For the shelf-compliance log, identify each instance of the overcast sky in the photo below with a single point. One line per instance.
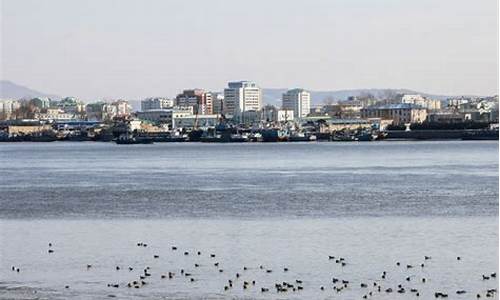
(132, 49)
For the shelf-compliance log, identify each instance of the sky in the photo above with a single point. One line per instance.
(103, 49)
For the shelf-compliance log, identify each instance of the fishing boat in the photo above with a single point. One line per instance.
(301, 137)
(480, 135)
(132, 140)
(274, 135)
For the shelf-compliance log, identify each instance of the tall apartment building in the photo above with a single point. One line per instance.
(242, 96)
(297, 100)
(200, 100)
(156, 103)
(217, 102)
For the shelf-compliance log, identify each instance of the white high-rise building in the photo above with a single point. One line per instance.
(299, 101)
(241, 97)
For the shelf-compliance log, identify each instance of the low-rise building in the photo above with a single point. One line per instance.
(56, 114)
(192, 121)
(270, 113)
(419, 100)
(40, 102)
(156, 103)
(8, 107)
(165, 116)
(94, 111)
(116, 109)
(399, 113)
(343, 110)
(445, 117)
(347, 124)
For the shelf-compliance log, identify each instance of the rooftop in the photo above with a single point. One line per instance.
(396, 106)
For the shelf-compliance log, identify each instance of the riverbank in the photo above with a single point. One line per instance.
(466, 134)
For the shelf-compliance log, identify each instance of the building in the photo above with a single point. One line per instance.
(156, 103)
(445, 117)
(241, 97)
(165, 116)
(201, 101)
(217, 102)
(297, 100)
(457, 102)
(343, 110)
(192, 121)
(8, 108)
(94, 111)
(270, 113)
(430, 104)
(40, 102)
(348, 124)
(56, 114)
(401, 113)
(116, 109)
(71, 105)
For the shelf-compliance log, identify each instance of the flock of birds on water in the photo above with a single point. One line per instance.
(338, 285)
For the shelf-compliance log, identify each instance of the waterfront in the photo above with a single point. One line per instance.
(277, 205)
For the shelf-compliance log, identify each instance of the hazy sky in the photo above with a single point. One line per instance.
(103, 48)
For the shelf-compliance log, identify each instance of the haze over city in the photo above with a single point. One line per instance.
(133, 49)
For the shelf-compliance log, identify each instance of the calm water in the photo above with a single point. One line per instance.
(276, 205)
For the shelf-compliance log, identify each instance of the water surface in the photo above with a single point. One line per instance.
(275, 205)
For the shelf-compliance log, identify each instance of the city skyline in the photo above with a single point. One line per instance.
(132, 50)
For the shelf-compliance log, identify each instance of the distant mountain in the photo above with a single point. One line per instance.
(273, 95)
(10, 90)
